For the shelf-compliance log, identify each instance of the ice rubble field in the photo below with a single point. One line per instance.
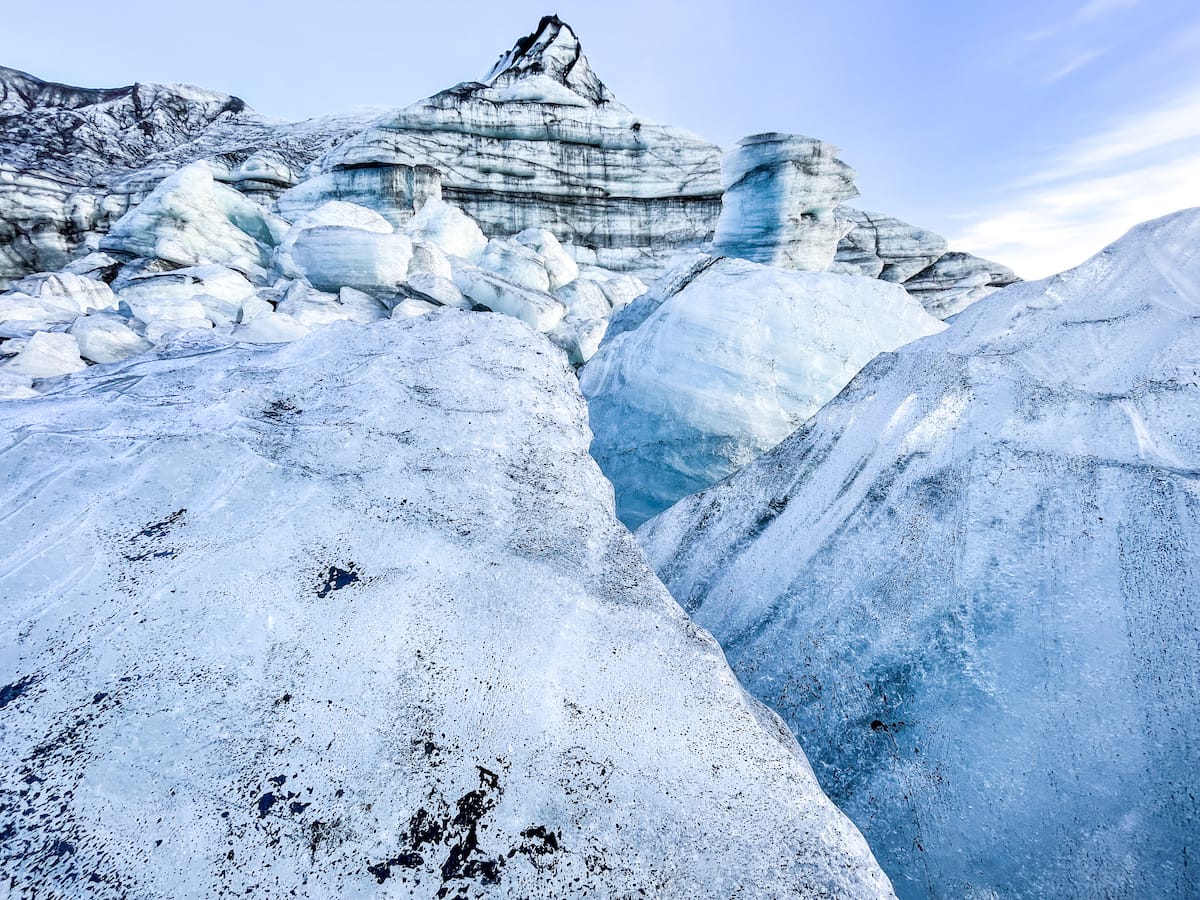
(971, 585)
(353, 615)
(197, 255)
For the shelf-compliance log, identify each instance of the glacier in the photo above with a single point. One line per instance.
(353, 615)
(720, 360)
(539, 142)
(971, 585)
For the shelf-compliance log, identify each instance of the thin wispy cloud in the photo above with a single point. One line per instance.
(1074, 65)
(1094, 190)
(1099, 9)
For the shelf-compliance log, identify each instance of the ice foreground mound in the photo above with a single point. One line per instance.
(356, 610)
(723, 359)
(971, 584)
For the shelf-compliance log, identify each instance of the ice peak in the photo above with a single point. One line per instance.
(552, 50)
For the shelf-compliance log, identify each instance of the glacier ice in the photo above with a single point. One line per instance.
(781, 191)
(722, 359)
(448, 228)
(971, 585)
(536, 308)
(107, 338)
(336, 256)
(333, 212)
(47, 354)
(355, 612)
(74, 160)
(540, 143)
(190, 219)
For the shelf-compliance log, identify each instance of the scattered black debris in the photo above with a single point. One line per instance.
(11, 692)
(265, 802)
(160, 529)
(336, 579)
(280, 410)
(144, 541)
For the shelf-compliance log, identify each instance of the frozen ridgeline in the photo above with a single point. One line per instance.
(355, 611)
(971, 584)
(721, 360)
(540, 142)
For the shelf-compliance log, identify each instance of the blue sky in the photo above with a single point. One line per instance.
(1030, 132)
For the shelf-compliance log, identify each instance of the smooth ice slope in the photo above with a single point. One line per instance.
(354, 616)
(720, 361)
(971, 584)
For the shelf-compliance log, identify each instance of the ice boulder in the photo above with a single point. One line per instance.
(436, 289)
(15, 385)
(560, 268)
(274, 328)
(48, 354)
(190, 219)
(971, 585)
(534, 307)
(355, 613)
(429, 259)
(449, 228)
(723, 359)
(620, 288)
(211, 292)
(334, 256)
(67, 289)
(396, 190)
(515, 263)
(410, 307)
(781, 191)
(334, 212)
(107, 338)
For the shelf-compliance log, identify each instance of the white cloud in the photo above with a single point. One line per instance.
(1099, 9)
(1094, 191)
(1074, 65)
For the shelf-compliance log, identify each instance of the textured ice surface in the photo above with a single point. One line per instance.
(971, 584)
(721, 360)
(946, 283)
(334, 256)
(332, 618)
(780, 194)
(191, 219)
(541, 142)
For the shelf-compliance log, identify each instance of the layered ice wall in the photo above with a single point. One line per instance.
(74, 160)
(722, 359)
(971, 585)
(353, 616)
(781, 191)
(541, 142)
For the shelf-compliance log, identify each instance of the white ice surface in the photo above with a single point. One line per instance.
(330, 618)
(720, 361)
(971, 584)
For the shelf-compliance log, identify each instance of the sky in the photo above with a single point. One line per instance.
(1031, 133)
